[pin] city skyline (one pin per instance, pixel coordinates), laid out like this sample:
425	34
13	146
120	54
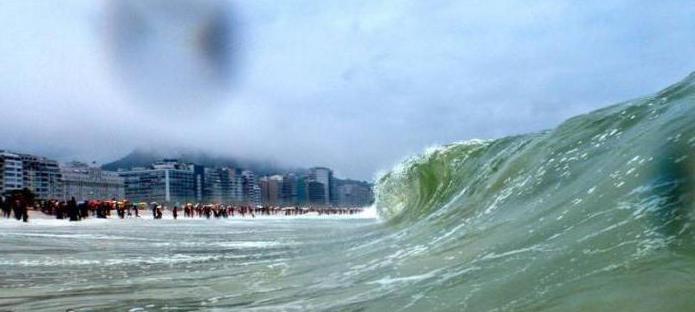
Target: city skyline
177	182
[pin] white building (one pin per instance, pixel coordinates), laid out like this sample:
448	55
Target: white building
42	176
11	173
252	192
90	183
38	174
168	181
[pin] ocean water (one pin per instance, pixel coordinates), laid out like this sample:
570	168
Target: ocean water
219	265
594	215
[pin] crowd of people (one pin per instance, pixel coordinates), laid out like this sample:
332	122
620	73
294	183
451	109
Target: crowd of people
226	211
76	211
16	203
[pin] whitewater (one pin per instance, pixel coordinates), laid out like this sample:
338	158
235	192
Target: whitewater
594	215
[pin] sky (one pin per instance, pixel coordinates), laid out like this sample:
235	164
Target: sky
353	85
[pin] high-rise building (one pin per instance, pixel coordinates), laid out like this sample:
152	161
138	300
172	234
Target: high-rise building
168	181
224	186
177	183
353	194
84	182
263	185
213	186
302	192
233	185
199	177
289	192
271	190
42	176
325	177
316	195
251	190
11	176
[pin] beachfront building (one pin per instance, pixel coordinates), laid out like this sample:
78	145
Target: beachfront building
11	177
353	194
175	183
271	190
324	176
2	174
166	182
213	186
84	182
251	190
223	186
199	177
302	192
289	190
42	176
281	190
232	185
38	174
316	195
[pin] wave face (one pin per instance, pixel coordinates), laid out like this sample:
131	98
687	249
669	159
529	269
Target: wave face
593	215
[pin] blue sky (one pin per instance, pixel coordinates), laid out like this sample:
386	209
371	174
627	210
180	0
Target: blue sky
353	85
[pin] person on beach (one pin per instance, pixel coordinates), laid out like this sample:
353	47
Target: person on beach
83	208
20	210
158	212
16	209
154	210
60	210
103	210
73	213
175	212
25	216
5	206
25	211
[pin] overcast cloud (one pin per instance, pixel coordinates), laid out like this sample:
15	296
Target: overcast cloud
353	85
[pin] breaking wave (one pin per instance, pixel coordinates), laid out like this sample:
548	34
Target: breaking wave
597	211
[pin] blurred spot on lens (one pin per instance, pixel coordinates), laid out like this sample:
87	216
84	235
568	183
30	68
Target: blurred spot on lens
173	53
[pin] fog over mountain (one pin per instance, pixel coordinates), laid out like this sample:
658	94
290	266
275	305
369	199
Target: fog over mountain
351	85
144	158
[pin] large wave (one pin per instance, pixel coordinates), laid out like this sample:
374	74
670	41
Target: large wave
601	207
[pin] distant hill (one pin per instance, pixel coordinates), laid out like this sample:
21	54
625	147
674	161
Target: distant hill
143	158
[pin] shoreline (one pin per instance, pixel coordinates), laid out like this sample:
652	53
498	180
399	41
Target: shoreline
167	215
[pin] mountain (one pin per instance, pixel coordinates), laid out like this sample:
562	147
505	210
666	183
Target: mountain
143	158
